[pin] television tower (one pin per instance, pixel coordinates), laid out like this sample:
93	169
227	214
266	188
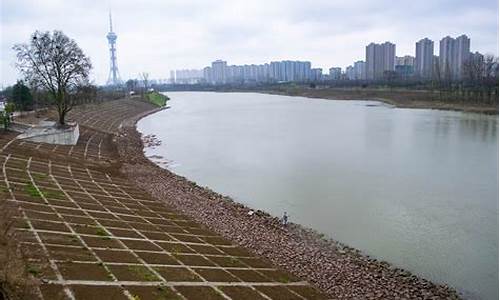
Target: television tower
114	76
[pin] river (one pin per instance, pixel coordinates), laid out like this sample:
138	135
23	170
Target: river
415	187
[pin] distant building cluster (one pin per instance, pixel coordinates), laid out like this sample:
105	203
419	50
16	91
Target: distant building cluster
219	72
380	63
186	76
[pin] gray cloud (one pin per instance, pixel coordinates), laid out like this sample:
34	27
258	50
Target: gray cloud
157	36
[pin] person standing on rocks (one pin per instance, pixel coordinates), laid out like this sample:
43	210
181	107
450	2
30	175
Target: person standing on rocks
284	219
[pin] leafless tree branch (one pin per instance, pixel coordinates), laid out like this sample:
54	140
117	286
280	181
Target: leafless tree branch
56	63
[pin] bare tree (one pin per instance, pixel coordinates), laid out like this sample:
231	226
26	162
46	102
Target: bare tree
491	67
491	76
437	78
390	77
473	70
145	77
447	75
56	63
84	94
131	84
473	75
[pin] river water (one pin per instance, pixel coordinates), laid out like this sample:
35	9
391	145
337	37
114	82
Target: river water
415	187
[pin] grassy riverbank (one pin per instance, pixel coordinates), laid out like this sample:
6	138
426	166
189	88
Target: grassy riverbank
157	99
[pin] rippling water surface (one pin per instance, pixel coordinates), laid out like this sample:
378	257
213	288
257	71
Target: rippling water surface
417	188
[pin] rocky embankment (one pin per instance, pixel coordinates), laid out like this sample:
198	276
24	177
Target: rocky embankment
338	270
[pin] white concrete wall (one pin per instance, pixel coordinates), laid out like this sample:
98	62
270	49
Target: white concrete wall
67	136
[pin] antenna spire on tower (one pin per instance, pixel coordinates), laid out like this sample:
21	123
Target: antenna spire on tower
110	22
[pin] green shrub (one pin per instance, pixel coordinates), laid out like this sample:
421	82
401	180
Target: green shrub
157	99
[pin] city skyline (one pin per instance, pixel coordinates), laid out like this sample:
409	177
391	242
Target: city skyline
184	34
380	58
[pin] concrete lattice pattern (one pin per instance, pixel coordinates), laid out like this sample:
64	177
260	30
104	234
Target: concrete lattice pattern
86	232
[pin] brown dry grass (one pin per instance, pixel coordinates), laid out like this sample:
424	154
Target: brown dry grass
398	98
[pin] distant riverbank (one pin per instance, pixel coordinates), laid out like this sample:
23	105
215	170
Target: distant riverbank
398	98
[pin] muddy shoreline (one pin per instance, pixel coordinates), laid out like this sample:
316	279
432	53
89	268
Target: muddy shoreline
336	269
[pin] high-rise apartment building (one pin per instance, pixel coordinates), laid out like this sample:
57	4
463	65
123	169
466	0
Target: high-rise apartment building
446	56
424	54
219	71
371	60
359	70
406	60
463	54
349	73
234	74
389	54
404	66
188	76
207	74
290	70
452	55
335	73
274	71
379	58
172	76
316	74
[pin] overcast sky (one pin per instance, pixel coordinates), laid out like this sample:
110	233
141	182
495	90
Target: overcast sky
162	35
